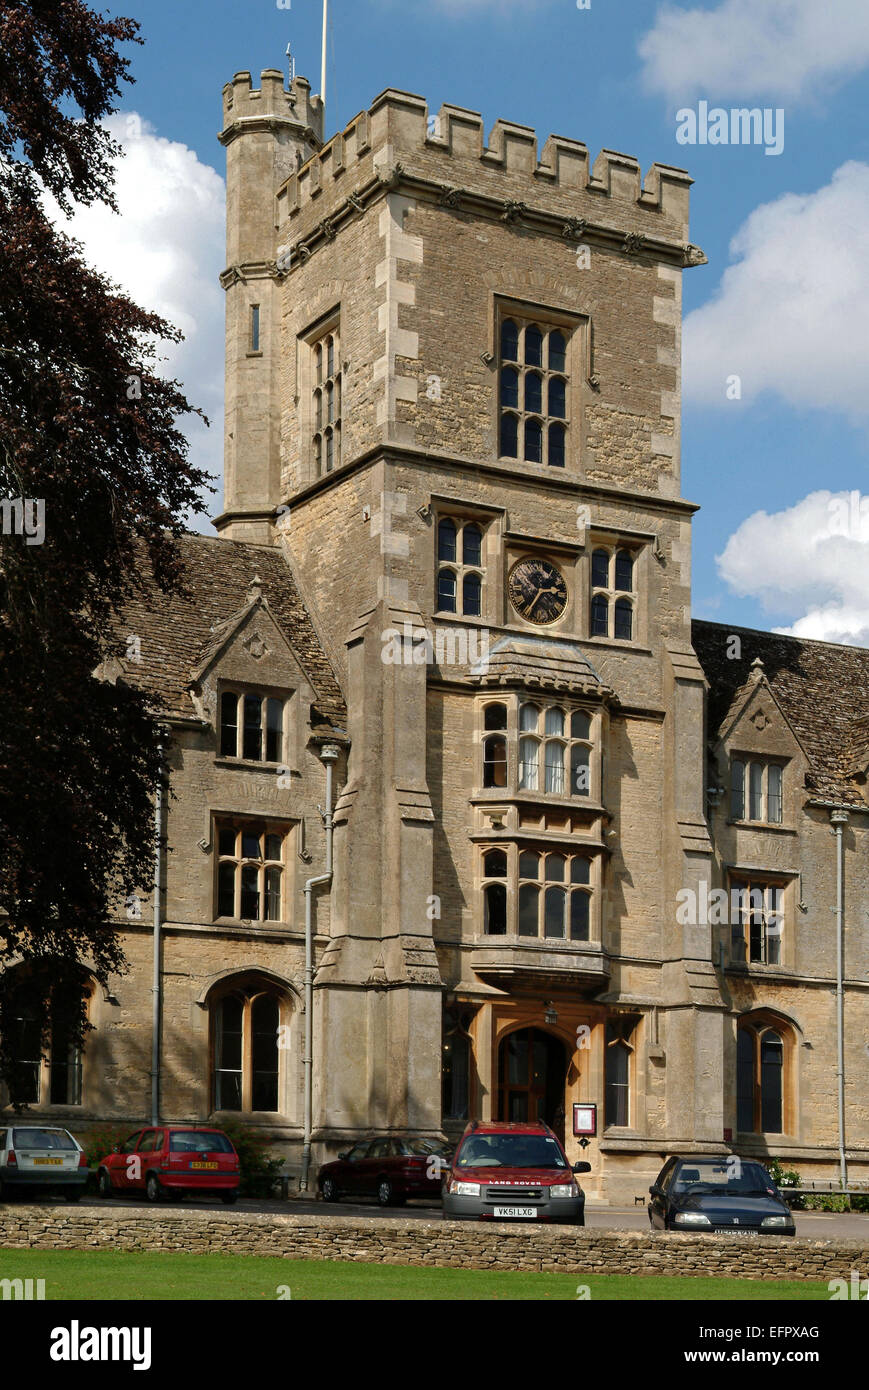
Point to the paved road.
(812, 1225)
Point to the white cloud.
(746, 48)
(165, 248)
(812, 560)
(790, 316)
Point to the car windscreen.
(422, 1148)
(727, 1178)
(42, 1139)
(510, 1151)
(191, 1141)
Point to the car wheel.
(330, 1191)
(153, 1190)
(229, 1198)
(385, 1195)
(104, 1184)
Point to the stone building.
(454, 565)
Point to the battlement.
(245, 106)
(452, 148)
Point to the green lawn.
(73, 1275)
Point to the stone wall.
(445, 1244)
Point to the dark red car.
(390, 1170)
(171, 1160)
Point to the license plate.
(734, 1231)
(511, 1213)
(56, 1161)
(203, 1165)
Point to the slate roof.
(821, 687)
(177, 633)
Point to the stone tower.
(267, 133)
(484, 342)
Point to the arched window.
(509, 436)
(495, 897)
(554, 768)
(456, 1065)
(618, 1077)
(46, 1062)
(600, 569)
(761, 1050)
(557, 435)
(624, 571)
(457, 538)
(557, 351)
(472, 545)
(600, 616)
(250, 870)
(533, 346)
(533, 393)
(510, 341)
(533, 441)
(495, 717)
(624, 619)
(472, 592)
(446, 591)
(247, 1016)
(529, 755)
(557, 398)
(447, 539)
(326, 403)
(494, 762)
(510, 388)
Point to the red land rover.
(513, 1172)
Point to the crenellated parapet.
(396, 143)
(270, 106)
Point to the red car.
(389, 1169)
(172, 1160)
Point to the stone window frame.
(250, 987)
(44, 1063)
(514, 736)
(576, 331)
(620, 1032)
(757, 1024)
(747, 882)
(265, 694)
(458, 567)
(315, 432)
(265, 826)
(614, 598)
(512, 881)
(751, 762)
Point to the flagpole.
(323, 65)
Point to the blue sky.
(783, 303)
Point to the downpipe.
(328, 755)
(838, 820)
(157, 981)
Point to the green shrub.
(785, 1178)
(258, 1169)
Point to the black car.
(727, 1194)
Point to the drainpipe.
(838, 819)
(328, 754)
(157, 984)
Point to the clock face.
(537, 591)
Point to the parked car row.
(498, 1172)
(164, 1160)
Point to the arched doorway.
(532, 1069)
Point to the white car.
(41, 1157)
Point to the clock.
(537, 590)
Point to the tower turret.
(267, 133)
